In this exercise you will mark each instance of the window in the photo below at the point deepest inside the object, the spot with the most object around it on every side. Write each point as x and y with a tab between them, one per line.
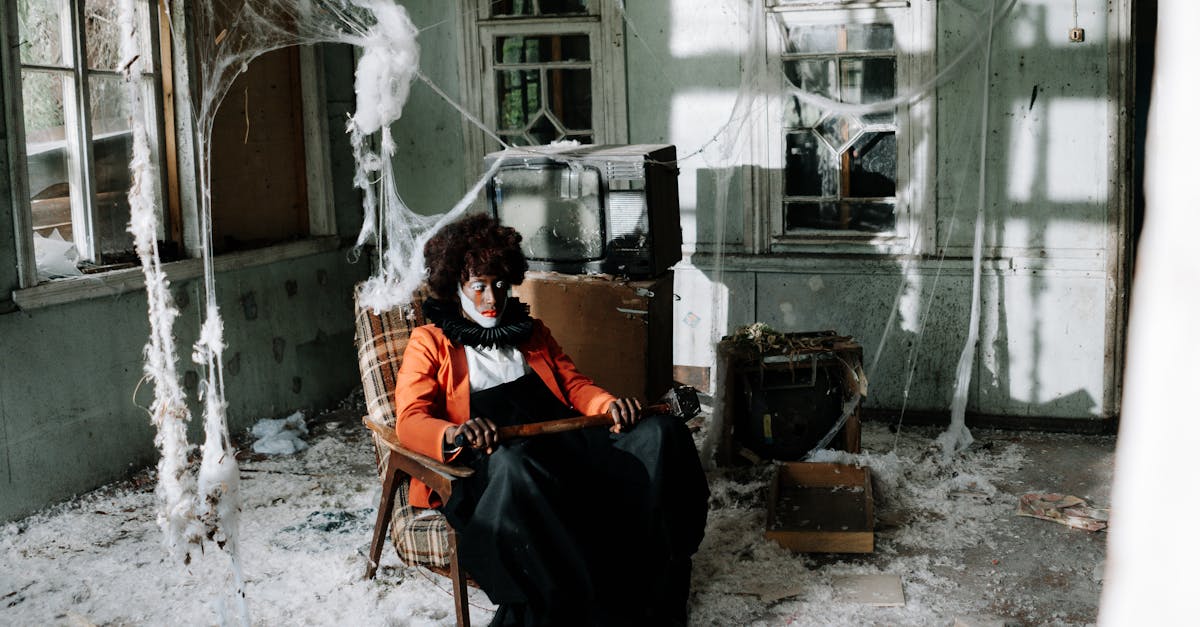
844	176
840	168
552	70
76	125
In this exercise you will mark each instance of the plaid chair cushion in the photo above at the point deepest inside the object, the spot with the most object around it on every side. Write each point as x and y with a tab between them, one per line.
381	340
421	536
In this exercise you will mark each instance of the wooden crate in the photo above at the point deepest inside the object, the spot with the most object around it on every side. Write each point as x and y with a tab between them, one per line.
822	508
790	411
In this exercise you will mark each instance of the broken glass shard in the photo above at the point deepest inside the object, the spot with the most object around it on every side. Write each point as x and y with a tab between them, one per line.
873	166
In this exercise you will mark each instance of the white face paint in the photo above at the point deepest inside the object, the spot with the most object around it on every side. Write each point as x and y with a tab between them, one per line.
483	299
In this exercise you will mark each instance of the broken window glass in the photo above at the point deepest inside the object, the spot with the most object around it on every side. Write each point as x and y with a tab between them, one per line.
77	126
834	159
550	96
873	166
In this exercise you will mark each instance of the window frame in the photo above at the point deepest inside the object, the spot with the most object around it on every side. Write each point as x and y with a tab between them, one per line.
606	30
915	39
178	165
79	138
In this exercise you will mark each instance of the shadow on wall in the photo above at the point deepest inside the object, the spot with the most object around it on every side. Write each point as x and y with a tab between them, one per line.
1046	308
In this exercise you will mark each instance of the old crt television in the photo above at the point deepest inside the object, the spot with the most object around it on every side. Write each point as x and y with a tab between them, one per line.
583	209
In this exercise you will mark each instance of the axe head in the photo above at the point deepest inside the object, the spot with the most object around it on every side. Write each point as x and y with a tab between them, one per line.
683	400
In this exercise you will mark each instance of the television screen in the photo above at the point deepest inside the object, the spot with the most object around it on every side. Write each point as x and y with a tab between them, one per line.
557	209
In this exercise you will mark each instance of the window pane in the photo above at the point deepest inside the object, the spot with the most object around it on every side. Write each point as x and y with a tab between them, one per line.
810	168
516	140
560	7
869	38
518	97
40	24
543	131
873	166
811	215
104	32
111	152
812	75
570	96
816	76
868	80
809	39
518	8
869	217
49	159
542	49
873	217
839	130
513	7
827	38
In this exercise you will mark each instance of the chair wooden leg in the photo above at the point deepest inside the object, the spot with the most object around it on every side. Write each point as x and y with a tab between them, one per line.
458	581
387	501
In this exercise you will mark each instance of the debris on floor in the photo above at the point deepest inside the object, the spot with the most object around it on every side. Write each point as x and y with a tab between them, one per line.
1065	509
944	530
280	436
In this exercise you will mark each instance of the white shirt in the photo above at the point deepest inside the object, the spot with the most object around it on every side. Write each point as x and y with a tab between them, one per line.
488	367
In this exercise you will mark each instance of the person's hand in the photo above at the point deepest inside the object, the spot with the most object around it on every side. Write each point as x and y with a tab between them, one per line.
479	432
625	413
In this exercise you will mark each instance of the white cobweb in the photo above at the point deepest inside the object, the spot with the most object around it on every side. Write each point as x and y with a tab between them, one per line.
201	510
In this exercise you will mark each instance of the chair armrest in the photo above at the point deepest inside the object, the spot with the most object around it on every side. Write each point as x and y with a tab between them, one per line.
426	469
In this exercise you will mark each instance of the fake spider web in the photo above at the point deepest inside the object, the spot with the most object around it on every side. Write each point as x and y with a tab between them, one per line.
227	35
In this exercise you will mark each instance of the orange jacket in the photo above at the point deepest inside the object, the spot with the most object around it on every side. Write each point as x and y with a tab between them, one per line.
433	391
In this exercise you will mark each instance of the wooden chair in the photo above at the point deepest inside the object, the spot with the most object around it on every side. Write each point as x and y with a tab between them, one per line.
422	537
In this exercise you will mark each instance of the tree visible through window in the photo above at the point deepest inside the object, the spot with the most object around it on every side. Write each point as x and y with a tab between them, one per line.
544	88
840	168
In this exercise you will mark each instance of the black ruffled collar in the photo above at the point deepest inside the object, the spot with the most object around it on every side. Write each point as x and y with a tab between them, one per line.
514	328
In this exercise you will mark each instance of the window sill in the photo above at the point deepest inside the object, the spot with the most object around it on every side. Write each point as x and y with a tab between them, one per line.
62	291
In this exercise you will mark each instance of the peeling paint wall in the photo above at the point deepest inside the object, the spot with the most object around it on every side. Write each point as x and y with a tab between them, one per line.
1051	309
1048	278
71	396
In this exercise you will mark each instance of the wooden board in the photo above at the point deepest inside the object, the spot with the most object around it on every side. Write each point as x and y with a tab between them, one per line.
822	508
875	590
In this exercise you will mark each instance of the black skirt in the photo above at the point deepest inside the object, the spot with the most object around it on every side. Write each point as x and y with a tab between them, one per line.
579	528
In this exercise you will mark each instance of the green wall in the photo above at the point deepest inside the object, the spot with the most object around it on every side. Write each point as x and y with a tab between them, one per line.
71	397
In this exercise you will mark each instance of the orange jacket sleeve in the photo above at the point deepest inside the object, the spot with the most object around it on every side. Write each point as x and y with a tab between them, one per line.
421	417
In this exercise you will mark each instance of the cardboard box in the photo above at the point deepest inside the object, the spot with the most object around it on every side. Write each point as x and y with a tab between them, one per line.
822	508
617	332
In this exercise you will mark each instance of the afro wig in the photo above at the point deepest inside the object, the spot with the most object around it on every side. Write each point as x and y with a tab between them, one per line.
473	245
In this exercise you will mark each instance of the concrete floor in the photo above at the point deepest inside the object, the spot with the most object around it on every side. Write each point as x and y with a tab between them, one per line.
948	530
1025	571
1037	571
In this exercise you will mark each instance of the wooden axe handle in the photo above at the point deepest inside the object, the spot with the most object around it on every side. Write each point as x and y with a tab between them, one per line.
564	424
